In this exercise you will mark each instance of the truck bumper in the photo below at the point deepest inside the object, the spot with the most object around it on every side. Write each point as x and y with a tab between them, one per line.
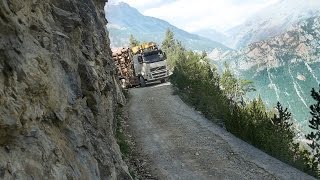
157	76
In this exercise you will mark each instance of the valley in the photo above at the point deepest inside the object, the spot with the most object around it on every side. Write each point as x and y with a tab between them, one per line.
283	68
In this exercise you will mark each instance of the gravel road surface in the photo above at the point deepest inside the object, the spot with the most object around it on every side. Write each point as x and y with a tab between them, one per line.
179	143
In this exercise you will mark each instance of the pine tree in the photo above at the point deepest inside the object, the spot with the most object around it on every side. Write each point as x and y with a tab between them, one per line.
229	83
204	54
235	89
173	48
169	41
261	105
133	41
314	136
281	119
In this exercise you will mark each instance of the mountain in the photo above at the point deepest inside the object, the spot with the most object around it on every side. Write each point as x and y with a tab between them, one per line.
284	68
212	35
125	20
272	21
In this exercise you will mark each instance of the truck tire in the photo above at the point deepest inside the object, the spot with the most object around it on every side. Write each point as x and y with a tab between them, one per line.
142	82
163	80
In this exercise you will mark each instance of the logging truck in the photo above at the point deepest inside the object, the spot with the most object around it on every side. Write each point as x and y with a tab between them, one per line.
140	65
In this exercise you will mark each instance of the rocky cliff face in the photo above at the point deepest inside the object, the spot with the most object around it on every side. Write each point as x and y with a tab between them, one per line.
58	93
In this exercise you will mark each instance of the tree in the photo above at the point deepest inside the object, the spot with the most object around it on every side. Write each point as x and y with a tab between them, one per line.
281	119
173	48
314	135
169	41
244	86
133	41
235	89
261	104
204	54
228	83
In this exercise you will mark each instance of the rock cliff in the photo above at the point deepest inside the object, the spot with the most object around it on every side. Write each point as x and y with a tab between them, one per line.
58	92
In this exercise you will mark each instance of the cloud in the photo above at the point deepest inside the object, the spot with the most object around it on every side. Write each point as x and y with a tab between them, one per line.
143	5
193	15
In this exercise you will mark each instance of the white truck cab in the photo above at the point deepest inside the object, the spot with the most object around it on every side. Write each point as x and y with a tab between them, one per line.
151	66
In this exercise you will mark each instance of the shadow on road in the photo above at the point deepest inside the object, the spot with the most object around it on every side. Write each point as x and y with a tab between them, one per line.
155	84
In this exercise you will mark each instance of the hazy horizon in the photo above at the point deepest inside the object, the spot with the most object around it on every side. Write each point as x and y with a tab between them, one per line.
195	15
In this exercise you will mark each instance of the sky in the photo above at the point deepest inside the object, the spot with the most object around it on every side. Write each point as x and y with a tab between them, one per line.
194	15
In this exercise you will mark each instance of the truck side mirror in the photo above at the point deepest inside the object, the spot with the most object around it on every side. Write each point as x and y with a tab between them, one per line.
164	55
140	60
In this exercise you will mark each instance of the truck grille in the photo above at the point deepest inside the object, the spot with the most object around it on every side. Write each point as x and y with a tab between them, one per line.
158	68
157	75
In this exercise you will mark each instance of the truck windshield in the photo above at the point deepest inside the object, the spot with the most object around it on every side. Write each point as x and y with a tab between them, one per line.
152	58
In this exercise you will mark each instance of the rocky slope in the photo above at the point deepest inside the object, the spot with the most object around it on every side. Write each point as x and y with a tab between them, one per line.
58	93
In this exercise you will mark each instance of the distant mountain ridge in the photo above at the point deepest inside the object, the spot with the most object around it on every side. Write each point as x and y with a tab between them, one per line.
300	43
284	68
272	21
125	20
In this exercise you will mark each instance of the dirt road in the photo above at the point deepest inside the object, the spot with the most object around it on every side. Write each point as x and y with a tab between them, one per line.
179	143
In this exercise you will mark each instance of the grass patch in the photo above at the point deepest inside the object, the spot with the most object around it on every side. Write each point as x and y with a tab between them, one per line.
120	135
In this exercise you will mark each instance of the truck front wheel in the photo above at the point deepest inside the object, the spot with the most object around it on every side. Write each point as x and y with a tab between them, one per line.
142	82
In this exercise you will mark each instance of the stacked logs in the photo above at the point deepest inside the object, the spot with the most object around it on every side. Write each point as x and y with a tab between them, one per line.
124	63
